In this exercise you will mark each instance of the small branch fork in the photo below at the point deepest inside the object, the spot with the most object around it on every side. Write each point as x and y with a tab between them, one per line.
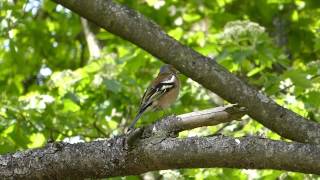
172	125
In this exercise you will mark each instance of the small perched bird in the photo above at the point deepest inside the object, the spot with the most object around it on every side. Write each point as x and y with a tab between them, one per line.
161	93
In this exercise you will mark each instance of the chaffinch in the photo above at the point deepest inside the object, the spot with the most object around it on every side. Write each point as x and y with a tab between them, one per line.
161	93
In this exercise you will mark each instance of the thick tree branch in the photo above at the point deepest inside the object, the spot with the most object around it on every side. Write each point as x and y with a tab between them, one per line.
133	27
109	158
154	149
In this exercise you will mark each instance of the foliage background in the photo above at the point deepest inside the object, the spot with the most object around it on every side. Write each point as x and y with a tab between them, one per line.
53	87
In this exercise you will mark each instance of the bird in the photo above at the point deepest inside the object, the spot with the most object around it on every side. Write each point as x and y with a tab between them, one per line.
162	92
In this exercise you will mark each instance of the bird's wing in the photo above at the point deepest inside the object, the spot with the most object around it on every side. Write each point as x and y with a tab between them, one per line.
157	88
161	85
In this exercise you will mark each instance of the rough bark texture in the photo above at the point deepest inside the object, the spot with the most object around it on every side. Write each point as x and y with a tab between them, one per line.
157	147
109	158
58	161
135	28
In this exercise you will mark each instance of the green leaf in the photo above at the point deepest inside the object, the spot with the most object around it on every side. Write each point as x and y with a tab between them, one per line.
299	78
70	106
313	98
18	135
191	17
255	71
176	33
113	85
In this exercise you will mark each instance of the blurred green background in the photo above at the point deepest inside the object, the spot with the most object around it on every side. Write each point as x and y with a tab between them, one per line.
65	79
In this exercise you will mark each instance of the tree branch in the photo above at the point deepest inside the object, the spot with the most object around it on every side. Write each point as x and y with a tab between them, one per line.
93	43
172	125
110	158
135	28
156	150
210	117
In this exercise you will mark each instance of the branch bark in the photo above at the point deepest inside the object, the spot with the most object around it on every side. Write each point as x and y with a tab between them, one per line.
172	125
154	149
135	28
210	117
109	158
92	42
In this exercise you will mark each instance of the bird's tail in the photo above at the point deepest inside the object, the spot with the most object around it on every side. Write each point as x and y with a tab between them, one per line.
141	111
135	121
